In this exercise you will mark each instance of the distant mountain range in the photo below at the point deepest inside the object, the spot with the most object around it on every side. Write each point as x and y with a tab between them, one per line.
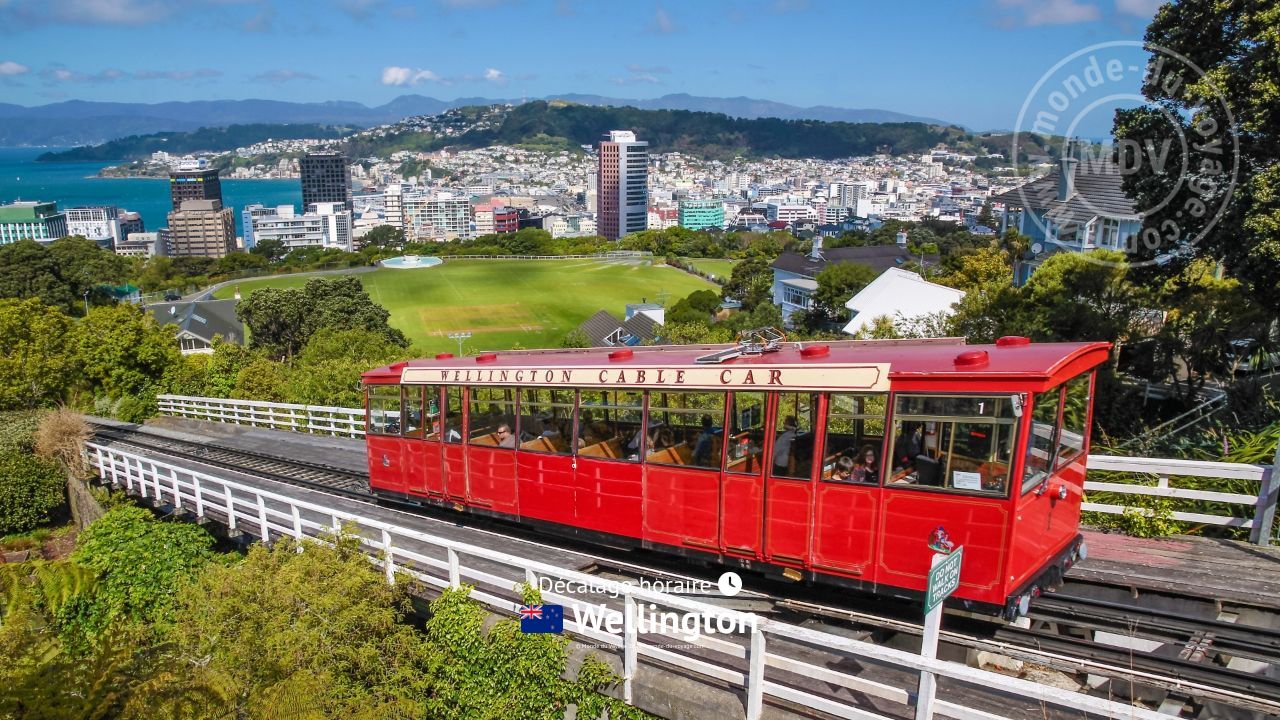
80	122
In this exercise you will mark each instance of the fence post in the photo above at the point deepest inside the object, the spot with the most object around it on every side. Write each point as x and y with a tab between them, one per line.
755	674
262	518
231	507
297	526
195	484
455	572
391	563
629	641
1265	515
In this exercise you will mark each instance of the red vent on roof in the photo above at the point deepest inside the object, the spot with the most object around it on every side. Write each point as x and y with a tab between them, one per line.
443	356
399	366
623	354
1013	341
486	357
815	351
972	359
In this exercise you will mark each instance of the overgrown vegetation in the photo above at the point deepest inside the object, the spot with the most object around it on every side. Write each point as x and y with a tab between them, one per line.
145	621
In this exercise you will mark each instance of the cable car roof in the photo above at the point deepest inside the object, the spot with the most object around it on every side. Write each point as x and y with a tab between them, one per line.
834	365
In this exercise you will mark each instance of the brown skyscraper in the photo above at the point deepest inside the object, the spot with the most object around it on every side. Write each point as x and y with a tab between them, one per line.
194	185
622	192
202	228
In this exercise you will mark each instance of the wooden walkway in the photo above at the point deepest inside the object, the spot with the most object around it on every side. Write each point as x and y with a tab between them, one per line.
1197	567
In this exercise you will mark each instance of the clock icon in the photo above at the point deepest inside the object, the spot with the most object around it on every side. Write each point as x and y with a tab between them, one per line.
730	584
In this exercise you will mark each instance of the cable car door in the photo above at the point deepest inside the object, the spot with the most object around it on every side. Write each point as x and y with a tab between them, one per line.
789	477
847	494
454	453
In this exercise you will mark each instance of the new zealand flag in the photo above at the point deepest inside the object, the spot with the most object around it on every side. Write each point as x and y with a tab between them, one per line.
542	618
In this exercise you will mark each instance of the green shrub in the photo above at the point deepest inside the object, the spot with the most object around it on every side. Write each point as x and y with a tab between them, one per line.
30	490
17	430
134	409
141	564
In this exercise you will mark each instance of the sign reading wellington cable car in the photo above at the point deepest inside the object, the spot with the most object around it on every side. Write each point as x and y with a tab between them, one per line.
944	579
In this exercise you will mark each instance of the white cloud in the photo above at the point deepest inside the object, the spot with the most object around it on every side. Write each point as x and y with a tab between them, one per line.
1051	12
662	22
276	77
495	75
1138	8
394	75
635	69
88	12
58	74
637	79
9	68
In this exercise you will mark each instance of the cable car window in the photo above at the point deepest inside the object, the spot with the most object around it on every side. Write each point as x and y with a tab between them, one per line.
431	410
546	421
384	409
1075	413
855	434
492	417
412	411
793	435
609	424
686	428
746	433
956	443
453	414
1043	440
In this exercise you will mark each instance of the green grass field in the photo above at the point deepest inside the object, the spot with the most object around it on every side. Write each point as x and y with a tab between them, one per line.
711	266
503	302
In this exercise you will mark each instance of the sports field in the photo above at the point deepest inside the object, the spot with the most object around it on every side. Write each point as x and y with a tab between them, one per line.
504	302
713	266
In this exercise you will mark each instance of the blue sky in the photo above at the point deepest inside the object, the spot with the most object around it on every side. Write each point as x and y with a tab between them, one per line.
968	61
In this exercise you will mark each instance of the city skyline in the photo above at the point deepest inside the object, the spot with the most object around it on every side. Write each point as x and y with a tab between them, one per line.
931	59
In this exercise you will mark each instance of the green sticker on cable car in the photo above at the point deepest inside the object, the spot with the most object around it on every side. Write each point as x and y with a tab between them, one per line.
944	578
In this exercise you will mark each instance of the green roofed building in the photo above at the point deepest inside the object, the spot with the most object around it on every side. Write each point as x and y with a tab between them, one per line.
701	214
39	221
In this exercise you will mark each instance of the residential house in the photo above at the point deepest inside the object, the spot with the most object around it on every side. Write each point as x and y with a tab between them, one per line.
199	322
901	295
795	275
605	330
1079	207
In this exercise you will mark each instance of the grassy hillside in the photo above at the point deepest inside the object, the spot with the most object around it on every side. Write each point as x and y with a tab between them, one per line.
504	302
137	147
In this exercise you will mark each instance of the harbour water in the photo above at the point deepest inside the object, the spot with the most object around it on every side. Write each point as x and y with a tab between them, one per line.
72	184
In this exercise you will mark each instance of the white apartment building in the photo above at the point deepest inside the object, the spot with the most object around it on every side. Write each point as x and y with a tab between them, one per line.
145	244
98	223
482	217
327	225
436	217
789	212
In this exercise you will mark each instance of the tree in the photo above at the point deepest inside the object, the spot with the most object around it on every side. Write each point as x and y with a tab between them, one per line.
1082	296
282	321
37	358
1234	45
837	283
750	283
239	262
985	267
29	270
274	250
84	265
123	351
383	236
319	632
987	217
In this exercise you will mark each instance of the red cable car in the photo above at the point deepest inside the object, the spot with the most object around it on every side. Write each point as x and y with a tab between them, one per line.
849	463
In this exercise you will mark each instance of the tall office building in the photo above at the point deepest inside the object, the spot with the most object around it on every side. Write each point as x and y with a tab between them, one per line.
27	220
202	228
99	223
325	179
194	184
623	185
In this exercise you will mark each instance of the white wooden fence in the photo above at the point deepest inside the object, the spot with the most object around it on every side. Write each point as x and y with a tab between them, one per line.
739	658
315	419
1161	470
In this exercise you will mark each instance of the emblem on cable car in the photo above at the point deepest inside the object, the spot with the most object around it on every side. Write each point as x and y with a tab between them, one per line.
940	541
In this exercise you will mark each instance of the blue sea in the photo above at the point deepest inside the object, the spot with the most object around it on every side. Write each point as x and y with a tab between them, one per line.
72	184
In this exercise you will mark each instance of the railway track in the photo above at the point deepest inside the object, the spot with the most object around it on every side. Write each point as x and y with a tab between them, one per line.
1188	665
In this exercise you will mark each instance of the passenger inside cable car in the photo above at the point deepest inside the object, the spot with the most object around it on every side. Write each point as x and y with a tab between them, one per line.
954	442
